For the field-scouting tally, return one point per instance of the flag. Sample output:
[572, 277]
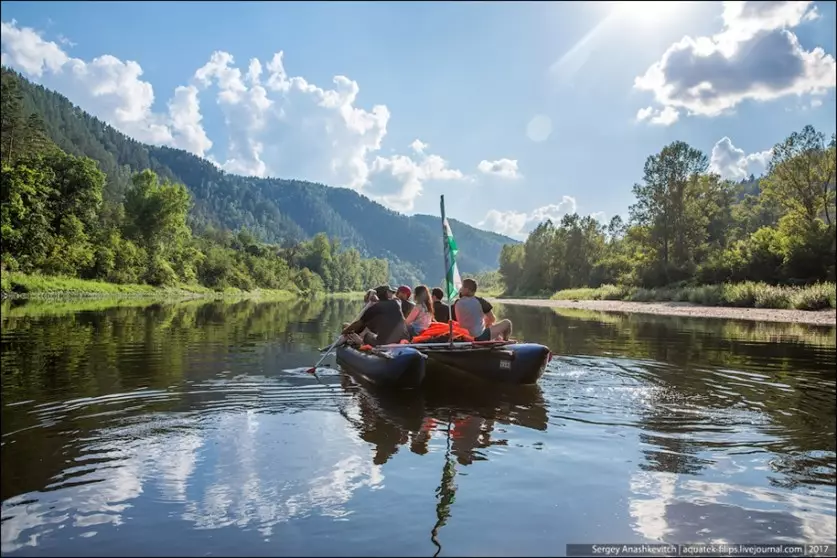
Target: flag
[452, 279]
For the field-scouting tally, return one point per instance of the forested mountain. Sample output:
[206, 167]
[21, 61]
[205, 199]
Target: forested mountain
[274, 210]
[56, 219]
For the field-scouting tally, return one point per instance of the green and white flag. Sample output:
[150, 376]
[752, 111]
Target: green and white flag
[452, 279]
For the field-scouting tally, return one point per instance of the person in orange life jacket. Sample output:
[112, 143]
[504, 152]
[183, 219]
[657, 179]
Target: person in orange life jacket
[403, 296]
[383, 319]
[477, 315]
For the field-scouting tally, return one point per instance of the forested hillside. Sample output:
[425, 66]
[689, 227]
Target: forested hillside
[62, 216]
[273, 210]
[690, 227]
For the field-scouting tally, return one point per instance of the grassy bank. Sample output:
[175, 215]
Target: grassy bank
[41, 286]
[742, 295]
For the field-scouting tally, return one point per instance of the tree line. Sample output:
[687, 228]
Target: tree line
[59, 217]
[688, 226]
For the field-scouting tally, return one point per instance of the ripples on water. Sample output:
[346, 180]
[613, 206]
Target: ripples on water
[190, 429]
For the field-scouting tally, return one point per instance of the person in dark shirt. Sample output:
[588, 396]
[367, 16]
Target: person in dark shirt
[441, 312]
[384, 320]
[403, 295]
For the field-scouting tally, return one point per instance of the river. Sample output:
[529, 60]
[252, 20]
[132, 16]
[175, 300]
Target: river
[192, 429]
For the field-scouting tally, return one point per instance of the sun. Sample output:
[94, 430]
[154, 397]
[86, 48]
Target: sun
[647, 14]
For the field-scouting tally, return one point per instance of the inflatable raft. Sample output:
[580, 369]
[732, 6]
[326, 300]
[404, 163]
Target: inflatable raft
[394, 367]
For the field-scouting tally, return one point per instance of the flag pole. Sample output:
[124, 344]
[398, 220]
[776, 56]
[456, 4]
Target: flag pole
[448, 270]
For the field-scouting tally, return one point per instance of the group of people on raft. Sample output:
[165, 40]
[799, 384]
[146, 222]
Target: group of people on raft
[390, 317]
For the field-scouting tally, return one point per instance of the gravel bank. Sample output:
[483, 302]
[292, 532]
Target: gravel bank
[821, 317]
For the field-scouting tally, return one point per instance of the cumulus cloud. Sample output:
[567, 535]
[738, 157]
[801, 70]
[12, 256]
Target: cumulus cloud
[518, 224]
[503, 168]
[662, 117]
[754, 57]
[185, 115]
[276, 124]
[732, 163]
[398, 180]
[418, 146]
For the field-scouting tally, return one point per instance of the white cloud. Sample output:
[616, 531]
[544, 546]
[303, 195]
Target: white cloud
[732, 163]
[503, 168]
[185, 114]
[418, 146]
[276, 124]
[663, 117]
[25, 49]
[599, 216]
[644, 113]
[754, 57]
[65, 41]
[398, 180]
[517, 224]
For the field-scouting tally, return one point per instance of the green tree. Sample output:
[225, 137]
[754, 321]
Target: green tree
[24, 219]
[11, 116]
[156, 213]
[663, 207]
[512, 260]
[801, 175]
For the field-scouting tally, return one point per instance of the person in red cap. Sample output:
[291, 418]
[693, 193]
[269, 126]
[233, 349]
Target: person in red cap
[403, 295]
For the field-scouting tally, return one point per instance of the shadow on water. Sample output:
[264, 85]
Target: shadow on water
[175, 428]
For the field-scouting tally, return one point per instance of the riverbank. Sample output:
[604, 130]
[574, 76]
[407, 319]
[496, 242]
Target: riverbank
[748, 294]
[22, 286]
[826, 317]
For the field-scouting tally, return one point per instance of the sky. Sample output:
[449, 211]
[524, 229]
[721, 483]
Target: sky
[515, 111]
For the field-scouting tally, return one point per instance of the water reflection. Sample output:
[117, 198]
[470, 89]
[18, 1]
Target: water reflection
[176, 428]
[666, 507]
[391, 420]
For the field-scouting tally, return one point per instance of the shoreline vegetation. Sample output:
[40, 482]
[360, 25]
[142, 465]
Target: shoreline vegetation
[826, 317]
[812, 305]
[16, 286]
[819, 296]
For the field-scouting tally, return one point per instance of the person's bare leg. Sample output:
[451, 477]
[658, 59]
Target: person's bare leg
[503, 329]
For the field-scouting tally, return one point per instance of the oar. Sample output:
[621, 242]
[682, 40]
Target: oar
[331, 347]
[313, 369]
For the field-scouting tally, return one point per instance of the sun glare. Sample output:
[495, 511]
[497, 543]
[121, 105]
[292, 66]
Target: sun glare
[647, 14]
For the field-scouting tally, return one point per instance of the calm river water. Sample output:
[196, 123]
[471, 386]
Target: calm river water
[192, 429]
